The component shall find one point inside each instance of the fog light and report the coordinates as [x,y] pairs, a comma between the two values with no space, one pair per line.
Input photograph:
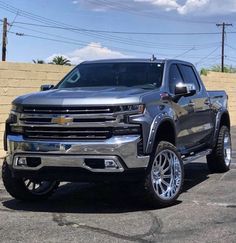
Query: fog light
[110,164]
[21,162]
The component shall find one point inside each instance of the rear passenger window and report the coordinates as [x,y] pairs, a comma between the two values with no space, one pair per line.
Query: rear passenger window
[189,76]
[174,78]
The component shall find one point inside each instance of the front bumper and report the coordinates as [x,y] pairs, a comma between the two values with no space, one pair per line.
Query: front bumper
[64,154]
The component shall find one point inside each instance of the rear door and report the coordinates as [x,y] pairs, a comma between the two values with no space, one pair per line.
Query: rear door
[199,117]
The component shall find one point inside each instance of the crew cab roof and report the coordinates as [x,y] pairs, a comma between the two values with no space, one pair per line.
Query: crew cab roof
[134,60]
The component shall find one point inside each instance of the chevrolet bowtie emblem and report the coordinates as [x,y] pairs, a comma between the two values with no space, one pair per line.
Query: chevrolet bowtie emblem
[62,120]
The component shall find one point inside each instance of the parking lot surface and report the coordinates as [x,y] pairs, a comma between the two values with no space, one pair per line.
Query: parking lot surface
[205,212]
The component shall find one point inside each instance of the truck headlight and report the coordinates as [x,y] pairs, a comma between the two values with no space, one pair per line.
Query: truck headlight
[11,124]
[127,130]
[16,108]
[139,109]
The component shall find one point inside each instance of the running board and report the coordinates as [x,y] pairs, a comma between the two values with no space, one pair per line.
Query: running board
[193,157]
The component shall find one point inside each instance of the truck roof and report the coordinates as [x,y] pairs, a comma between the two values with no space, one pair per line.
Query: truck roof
[133,60]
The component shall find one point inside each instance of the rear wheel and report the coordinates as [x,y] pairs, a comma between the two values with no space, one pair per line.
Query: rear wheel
[220,159]
[165,175]
[26,189]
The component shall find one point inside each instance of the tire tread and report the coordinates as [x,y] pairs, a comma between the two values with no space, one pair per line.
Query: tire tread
[215,160]
[16,188]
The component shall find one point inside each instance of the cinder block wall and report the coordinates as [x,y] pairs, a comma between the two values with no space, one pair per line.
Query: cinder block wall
[20,78]
[227,82]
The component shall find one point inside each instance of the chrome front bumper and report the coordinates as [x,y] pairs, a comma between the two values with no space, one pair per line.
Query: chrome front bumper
[121,149]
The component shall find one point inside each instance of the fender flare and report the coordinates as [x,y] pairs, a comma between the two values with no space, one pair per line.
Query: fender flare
[157,121]
[219,115]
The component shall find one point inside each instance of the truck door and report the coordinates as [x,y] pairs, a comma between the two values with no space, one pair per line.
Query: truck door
[199,117]
[182,110]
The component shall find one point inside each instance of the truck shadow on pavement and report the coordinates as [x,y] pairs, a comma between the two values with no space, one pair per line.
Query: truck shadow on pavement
[104,198]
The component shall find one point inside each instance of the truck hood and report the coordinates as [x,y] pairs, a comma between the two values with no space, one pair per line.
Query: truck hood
[84,96]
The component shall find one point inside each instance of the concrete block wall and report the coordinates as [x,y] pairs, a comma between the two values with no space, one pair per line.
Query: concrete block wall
[227,82]
[21,78]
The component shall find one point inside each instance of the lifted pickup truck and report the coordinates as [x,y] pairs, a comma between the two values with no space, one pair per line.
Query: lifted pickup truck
[109,120]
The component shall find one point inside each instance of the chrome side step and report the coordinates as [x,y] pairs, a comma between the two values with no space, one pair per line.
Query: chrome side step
[193,157]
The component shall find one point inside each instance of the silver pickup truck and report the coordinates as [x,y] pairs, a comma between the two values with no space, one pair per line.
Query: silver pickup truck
[110,120]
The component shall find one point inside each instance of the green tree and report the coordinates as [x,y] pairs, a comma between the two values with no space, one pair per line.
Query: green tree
[38,61]
[227,69]
[204,71]
[217,68]
[60,60]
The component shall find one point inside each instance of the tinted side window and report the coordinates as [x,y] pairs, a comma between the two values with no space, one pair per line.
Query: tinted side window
[189,76]
[174,78]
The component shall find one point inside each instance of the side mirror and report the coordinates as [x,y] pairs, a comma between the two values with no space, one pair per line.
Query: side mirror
[182,89]
[46,87]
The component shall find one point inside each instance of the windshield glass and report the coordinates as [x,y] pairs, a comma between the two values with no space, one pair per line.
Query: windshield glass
[144,75]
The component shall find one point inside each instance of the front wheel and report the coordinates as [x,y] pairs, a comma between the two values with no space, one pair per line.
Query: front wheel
[26,189]
[165,175]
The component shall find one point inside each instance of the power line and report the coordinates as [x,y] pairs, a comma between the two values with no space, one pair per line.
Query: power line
[60,25]
[134,43]
[82,44]
[102,34]
[182,54]
[73,43]
[231,47]
[230,59]
[119,32]
[208,55]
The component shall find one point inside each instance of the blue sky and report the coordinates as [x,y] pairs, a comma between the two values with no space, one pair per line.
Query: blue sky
[159,16]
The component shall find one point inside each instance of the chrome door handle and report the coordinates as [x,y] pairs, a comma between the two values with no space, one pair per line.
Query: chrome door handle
[207,102]
[191,103]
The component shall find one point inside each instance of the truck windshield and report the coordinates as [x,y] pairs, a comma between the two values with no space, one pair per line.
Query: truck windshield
[143,75]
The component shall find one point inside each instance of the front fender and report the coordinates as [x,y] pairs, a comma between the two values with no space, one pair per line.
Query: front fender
[158,120]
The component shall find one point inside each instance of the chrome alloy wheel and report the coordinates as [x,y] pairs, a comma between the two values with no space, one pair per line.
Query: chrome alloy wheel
[227,149]
[40,187]
[166,174]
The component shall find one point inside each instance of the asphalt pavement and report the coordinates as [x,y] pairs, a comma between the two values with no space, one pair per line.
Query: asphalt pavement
[205,212]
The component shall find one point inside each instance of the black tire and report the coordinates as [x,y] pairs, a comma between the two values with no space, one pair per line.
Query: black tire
[151,188]
[17,188]
[216,161]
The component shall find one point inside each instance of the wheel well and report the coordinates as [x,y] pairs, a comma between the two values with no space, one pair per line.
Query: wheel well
[166,132]
[225,120]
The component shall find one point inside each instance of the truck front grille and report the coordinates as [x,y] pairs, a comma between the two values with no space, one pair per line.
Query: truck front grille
[70,133]
[74,123]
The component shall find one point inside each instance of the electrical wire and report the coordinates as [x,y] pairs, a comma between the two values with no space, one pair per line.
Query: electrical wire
[163,46]
[208,55]
[74,43]
[184,53]
[121,32]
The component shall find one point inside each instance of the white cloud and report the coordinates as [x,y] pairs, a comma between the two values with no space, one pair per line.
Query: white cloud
[92,51]
[187,7]
[75,2]
[183,7]
[193,5]
[166,4]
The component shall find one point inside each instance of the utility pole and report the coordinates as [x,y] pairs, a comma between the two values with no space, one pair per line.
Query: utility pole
[223,25]
[4,40]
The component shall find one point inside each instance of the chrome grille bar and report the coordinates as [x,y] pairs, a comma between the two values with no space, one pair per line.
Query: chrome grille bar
[84,123]
[71,110]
